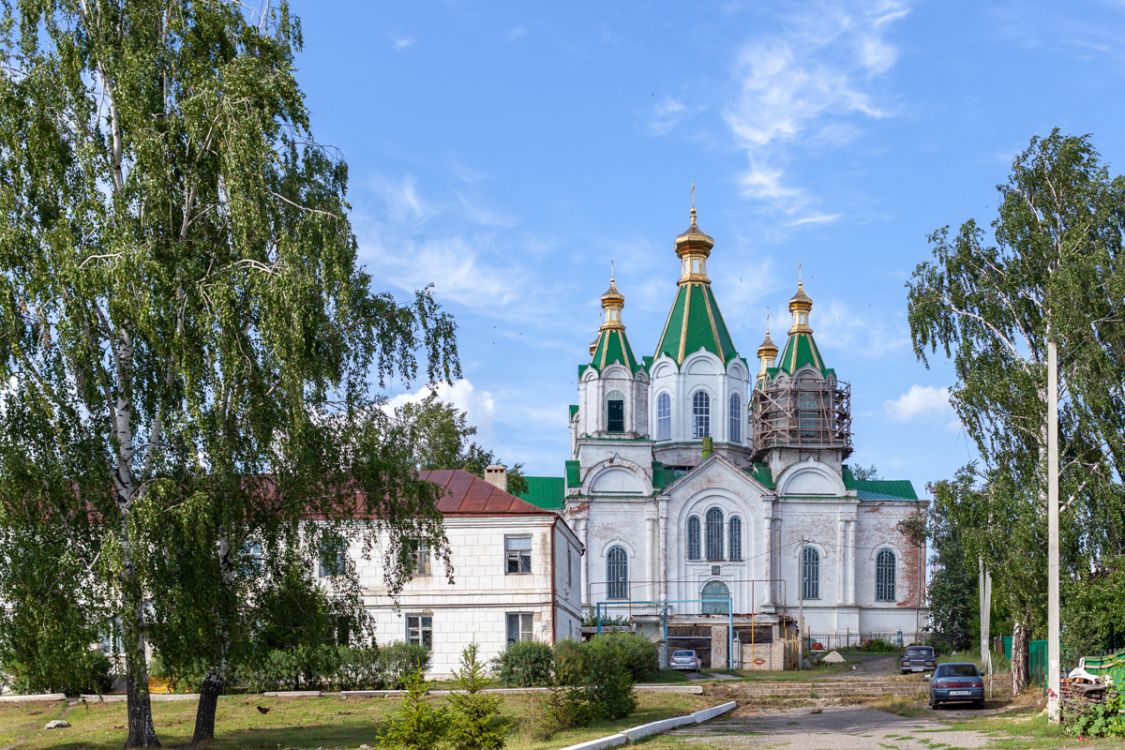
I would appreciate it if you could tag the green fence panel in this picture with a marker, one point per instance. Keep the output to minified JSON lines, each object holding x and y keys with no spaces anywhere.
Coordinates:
{"x":1037,"y":663}
{"x":1007,"y":640}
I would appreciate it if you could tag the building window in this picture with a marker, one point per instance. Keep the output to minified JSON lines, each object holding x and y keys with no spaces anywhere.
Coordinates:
{"x":735,"y":538}
{"x":569,"y":567}
{"x":617,"y":573}
{"x":615,"y":412}
{"x":518,"y":552}
{"x":716,"y":598}
{"x":417,"y":553}
{"x":519,"y":626}
{"x":253,"y":558}
{"x":809,"y":422}
{"x":714,"y":534}
{"x":701,"y":414}
{"x":332,"y":551}
{"x":693,"y":535}
{"x":420,"y":630}
{"x":663,"y":417}
{"x":735,"y":418}
{"x":885,"y":576}
{"x":810,"y":573}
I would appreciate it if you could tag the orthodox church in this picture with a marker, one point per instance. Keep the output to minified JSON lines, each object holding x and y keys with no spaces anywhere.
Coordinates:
{"x":704,"y":489}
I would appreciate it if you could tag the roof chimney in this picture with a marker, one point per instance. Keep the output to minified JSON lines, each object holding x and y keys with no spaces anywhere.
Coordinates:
{"x":497,"y":476}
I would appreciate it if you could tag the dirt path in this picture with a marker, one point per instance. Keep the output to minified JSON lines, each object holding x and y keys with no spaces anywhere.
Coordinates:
{"x":830,"y":728}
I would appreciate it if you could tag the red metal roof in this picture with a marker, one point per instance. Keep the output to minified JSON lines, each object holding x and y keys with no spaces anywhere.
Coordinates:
{"x":468,"y":495}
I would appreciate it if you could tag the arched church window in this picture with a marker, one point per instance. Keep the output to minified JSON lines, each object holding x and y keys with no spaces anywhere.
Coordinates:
{"x":716,"y":598}
{"x":693,"y":536}
{"x":810,"y":573}
{"x":663,"y":417}
{"x":701,"y":414}
{"x":735,"y":418}
{"x":714,"y":534}
{"x":734,"y":540}
{"x":615,"y":412}
{"x":617,"y":573}
{"x":807,"y":407}
{"x":885,"y":576}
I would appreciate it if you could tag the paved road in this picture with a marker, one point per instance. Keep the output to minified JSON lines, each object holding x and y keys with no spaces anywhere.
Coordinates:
{"x":830,"y":728}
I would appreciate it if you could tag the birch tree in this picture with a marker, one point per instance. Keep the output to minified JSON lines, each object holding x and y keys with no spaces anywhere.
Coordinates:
{"x":188,"y":341}
{"x":1051,"y":268}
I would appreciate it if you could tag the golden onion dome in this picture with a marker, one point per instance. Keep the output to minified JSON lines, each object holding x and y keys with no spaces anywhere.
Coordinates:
{"x":800,"y":300}
{"x":612,"y":295}
{"x":767,"y":349}
{"x":694,"y":240}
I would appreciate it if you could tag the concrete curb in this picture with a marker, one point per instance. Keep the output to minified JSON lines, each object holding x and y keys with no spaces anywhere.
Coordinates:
{"x":293,"y":694}
{"x":635,"y":734}
{"x":107,"y":698}
{"x":34,"y":698}
{"x":688,"y":689}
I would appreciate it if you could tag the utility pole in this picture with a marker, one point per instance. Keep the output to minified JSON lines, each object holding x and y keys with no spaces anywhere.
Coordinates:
{"x":1053,"y":651}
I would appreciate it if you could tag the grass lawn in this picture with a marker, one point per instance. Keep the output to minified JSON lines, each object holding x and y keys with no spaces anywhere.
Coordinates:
{"x":793,"y":675}
{"x":294,"y":722}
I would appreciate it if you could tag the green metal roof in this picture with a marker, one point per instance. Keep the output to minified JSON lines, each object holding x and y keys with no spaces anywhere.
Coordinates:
{"x":762,"y":474}
{"x":800,"y":350}
{"x":879,"y":489}
{"x":545,"y":492}
{"x":695,"y":323}
{"x":573,"y":410}
{"x":573,"y":474}
{"x":613,"y":346}
{"x":661,"y":477}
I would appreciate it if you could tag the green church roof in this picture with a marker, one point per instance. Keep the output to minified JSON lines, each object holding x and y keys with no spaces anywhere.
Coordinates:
{"x":695,"y":323}
{"x":544,"y":492}
{"x":879,"y":489}
{"x":613,"y":346}
{"x":800,"y":350}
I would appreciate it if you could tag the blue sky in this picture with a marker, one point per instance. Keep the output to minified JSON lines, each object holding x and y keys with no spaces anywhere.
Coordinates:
{"x":506,"y":152}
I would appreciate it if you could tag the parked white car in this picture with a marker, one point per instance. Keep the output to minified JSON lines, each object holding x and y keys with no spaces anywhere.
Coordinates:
{"x":684,"y":658}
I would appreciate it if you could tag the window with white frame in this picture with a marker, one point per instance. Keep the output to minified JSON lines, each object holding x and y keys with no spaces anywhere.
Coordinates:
{"x":885,"y":576}
{"x":734,"y":538}
{"x":615,"y":412}
{"x":663,"y":417}
{"x":693,"y":538}
{"x":569,"y":567}
{"x":519,"y":626}
{"x":735,"y":418}
{"x":418,"y":553}
{"x":701,"y":414}
{"x":714,"y":534}
{"x":517,"y":552}
{"x":810,"y":573}
{"x":420,"y":630}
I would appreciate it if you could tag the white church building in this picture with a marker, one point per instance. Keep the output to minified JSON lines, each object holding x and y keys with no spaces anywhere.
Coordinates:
{"x":704,"y":490}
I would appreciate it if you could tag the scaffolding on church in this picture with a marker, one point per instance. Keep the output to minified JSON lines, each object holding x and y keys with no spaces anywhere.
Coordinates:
{"x":808,"y":413}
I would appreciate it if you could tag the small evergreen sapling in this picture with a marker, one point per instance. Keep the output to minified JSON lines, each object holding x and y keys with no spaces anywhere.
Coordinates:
{"x":416,"y":724}
{"x":477,"y":722}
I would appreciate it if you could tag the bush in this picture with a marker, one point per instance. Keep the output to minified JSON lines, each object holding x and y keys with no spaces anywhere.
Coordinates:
{"x":559,"y":710}
{"x":416,"y":724}
{"x":570,"y":662}
{"x":1096,"y":719}
{"x":477,"y":721}
{"x":608,"y":681}
{"x":878,"y":645}
{"x":358,"y":668}
{"x":636,"y":653}
{"x":399,"y":660}
{"x":525,"y":664}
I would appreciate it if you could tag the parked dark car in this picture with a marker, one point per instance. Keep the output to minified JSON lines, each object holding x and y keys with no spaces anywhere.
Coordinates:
{"x":918,"y":659}
{"x":958,"y":681}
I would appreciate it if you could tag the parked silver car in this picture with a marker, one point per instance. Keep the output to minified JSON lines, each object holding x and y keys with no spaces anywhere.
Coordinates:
{"x":684,"y":658}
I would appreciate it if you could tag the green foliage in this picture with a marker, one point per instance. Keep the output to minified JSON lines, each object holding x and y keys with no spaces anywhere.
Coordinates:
{"x":878,"y":645}
{"x":561,"y":709}
{"x":525,"y":664}
{"x":635,"y":653}
{"x":477,"y":722}
{"x":1105,"y":719}
{"x":953,"y":595}
{"x":399,"y":660}
{"x":441,"y":437}
{"x":417,"y":724}
{"x":1094,"y":616}
{"x":304,"y":666}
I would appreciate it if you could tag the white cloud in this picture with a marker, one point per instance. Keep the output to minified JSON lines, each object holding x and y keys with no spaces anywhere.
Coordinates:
{"x":404,"y":202}
{"x":666,"y":115}
{"x":923,"y":403}
{"x":400,"y":41}
{"x":516,"y":33}
{"x":838,"y":325}
{"x":480,"y":406}
{"x":814,"y":219}
{"x":805,"y":85}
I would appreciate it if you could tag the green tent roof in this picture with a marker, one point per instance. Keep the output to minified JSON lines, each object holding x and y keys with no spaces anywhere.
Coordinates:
{"x":545,"y":492}
{"x":800,"y":350}
{"x":613,"y":346}
{"x":695,"y":323}
{"x":761,"y":473}
{"x":879,"y":489}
